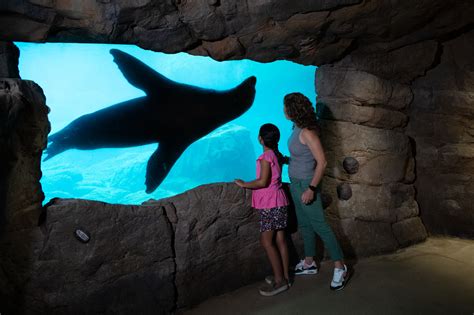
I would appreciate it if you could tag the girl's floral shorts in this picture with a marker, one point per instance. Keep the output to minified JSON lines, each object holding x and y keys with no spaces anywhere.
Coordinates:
{"x":273,"y":218}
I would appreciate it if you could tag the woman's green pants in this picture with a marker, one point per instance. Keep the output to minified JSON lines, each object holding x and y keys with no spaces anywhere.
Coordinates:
{"x":311,"y":221}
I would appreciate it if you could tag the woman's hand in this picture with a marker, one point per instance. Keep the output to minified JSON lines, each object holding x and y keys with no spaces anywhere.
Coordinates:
{"x":308,"y":196}
{"x":240,"y":183}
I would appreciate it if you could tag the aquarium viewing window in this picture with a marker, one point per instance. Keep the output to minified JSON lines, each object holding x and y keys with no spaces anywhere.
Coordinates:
{"x":78,"y":80}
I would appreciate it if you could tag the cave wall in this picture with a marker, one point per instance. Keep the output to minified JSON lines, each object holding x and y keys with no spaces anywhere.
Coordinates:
{"x":307,"y":31}
{"x":442,"y":125}
{"x":407,"y":110}
{"x":24,"y":127}
{"x":395,"y":92}
{"x":370,"y":176}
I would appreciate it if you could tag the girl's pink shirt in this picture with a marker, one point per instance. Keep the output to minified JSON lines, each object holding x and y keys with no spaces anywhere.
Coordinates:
{"x":273,"y":195}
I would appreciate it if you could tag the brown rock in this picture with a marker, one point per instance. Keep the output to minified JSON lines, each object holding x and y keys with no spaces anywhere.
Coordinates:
{"x":23,"y":131}
{"x":401,"y":65}
{"x":409,"y":231}
{"x":361,"y":88}
{"x":358,"y":27}
{"x":228,"y":48}
{"x":365,"y":237}
{"x":370,"y":116}
{"x":216,"y":242}
{"x":383,"y":155}
{"x":386,"y":203}
{"x":130,"y":251}
{"x":441,"y":124}
{"x":9,"y":55}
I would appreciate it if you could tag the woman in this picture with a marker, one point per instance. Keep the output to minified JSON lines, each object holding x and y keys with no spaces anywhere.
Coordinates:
{"x":306,"y":169}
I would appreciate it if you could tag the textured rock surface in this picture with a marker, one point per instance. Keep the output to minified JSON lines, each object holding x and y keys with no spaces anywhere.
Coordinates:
{"x":442,"y":124}
{"x":23,"y":129}
{"x":126,"y":267}
{"x":167,"y":254}
{"x":9,"y":55}
{"x":216,"y":241}
{"x":393,"y":64}
{"x":309,"y":32}
{"x":149,"y":259}
{"x":363,"y":118}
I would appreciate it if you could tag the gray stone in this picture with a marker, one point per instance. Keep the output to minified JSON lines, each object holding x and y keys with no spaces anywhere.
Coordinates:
{"x":351,"y":165}
{"x":344,"y":191}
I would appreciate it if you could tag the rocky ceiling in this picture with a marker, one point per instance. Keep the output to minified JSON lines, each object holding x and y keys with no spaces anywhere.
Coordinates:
{"x":305,"y":31}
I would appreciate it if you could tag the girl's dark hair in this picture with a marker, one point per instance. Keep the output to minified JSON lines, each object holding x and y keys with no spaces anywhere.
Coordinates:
{"x":270,"y":135}
{"x":301,"y":112}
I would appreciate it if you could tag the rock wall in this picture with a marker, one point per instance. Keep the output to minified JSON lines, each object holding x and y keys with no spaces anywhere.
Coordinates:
{"x":149,"y":259}
{"x":406,"y":118}
{"x":395,"y":94}
{"x":442,"y":124}
{"x":23,"y":130}
{"x":368,"y":183}
{"x":306,"y":31}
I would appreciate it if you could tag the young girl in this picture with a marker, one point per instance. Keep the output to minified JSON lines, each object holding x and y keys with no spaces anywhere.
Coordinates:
{"x":270,"y":200}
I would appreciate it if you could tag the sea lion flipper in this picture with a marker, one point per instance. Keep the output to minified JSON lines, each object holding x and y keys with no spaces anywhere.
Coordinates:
{"x":139,"y":74}
{"x":160,"y":163}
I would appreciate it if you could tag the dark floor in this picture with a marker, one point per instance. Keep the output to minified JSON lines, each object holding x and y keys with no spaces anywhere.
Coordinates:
{"x":435,"y":277}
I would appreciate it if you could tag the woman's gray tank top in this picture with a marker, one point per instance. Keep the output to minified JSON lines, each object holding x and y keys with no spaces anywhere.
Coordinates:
{"x":302,"y":162}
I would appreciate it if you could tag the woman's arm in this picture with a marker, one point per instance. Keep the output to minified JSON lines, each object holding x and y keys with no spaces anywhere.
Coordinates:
{"x":261,"y":182}
{"x":311,"y":139}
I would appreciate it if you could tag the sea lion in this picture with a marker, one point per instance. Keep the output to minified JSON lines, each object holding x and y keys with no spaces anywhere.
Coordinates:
{"x":171,"y":114}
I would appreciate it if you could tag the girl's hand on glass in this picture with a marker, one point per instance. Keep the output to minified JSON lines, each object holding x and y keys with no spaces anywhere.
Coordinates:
{"x":240,"y":183}
{"x":307,"y":197}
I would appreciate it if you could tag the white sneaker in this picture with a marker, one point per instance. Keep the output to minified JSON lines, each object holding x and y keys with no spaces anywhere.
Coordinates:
{"x":339,"y":278}
{"x":304,"y":269}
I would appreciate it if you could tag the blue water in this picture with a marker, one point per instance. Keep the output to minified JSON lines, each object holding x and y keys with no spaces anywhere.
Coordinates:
{"x":82,"y":78}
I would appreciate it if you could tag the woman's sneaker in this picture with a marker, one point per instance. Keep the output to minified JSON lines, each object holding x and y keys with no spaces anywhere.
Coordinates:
{"x":303,"y":269}
{"x":339,"y":278}
{"x":274,"y":289}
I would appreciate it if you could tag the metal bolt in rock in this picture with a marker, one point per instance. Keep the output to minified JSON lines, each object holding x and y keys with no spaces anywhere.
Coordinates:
{"x":351,"y":165}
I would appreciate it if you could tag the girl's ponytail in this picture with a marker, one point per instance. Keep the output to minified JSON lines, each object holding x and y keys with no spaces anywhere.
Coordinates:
{"x":270,"y":135}
{"x":281,"y":159}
